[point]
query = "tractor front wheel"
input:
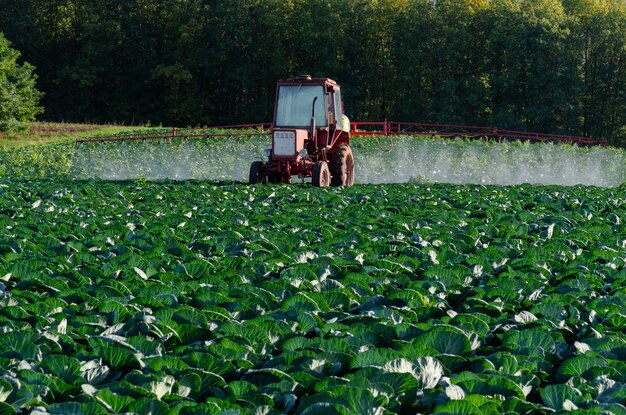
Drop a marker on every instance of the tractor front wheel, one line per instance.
(321, 174)
(342, 166)
(255, 172)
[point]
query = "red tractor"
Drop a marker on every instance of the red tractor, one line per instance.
(310, 135)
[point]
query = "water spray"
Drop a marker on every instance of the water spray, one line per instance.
(410, 159)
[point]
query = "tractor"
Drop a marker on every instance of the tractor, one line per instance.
(310, 135)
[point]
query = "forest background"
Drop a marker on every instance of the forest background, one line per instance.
(555, 66)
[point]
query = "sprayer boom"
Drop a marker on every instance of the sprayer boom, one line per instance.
(357, 128)
(243, 130)
(390, 128)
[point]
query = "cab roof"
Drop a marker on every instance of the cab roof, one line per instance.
(308, 79)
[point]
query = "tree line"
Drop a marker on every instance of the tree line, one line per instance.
(555, 66)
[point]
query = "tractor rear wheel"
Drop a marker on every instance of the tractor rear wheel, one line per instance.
(342, 166)
(255, 172)
(321, 174)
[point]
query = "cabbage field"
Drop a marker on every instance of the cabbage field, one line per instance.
(419, 294)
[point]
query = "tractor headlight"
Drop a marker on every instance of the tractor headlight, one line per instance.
(303, 153)
(267, 152)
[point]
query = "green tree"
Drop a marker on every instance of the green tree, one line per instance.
(19, 97)
(246, 53)
(415, 38)
(439, 53)
(532, 74)
(369, 46)
(598, 30)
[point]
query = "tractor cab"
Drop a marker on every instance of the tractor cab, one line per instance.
(310, 135)
(297, 103)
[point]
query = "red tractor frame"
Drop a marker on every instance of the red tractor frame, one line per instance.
(310, 135)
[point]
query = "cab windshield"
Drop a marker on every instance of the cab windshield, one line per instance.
(295, 105)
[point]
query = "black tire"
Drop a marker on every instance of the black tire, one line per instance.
(255, 172)
(321, 174)
(342, 166)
